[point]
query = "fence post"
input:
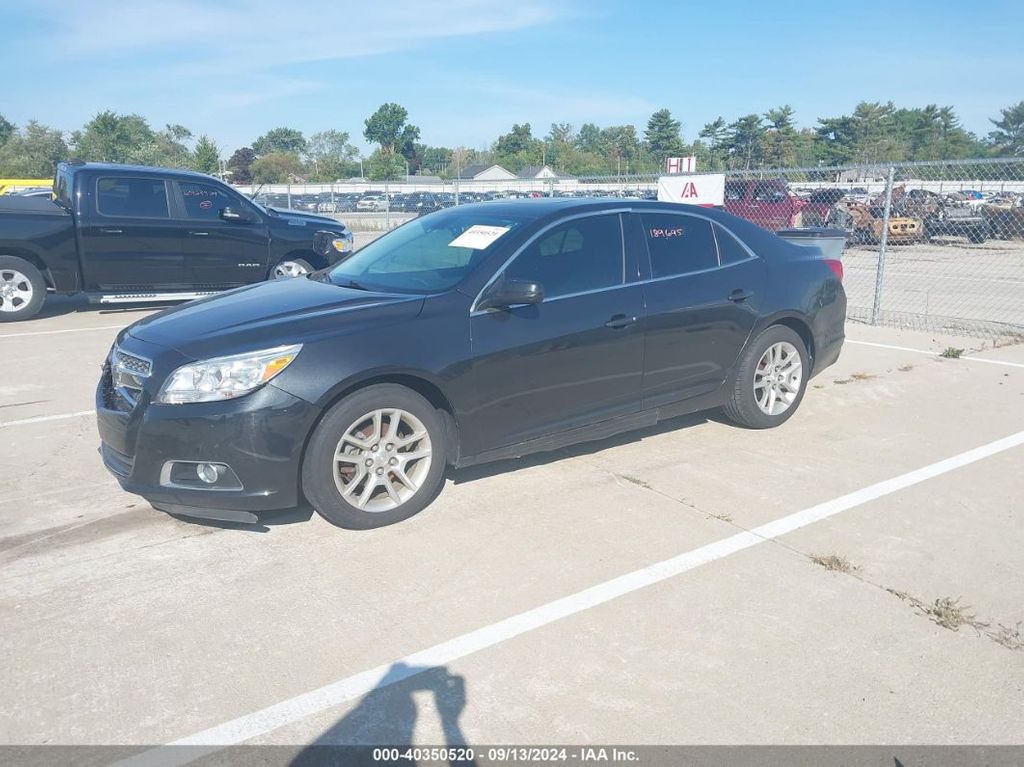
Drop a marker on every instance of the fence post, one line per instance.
(289, 189)
(876, 308)
(456, 190)
(387, 208)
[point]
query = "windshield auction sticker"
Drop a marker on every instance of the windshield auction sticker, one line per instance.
(478, 237)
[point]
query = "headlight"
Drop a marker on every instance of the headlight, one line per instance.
(343, 243)
(225, 377)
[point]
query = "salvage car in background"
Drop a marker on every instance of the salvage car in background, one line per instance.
(124, 234)
(768, 204)
(472, 334)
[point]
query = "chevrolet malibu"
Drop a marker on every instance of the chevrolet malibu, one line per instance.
(476, 333)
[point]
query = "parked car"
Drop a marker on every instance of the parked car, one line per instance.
(472, 334)
(768, 203)
(943, 215)
(372, 203)
(122, 234)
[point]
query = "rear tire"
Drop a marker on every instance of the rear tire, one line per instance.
(770, 380)
(22, 289)
(377, 457)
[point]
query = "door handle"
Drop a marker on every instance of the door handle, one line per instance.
(198, 234)
(740, 294)
(619, 321)
(107, 230)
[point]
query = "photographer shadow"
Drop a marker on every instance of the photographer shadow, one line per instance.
(386, 716)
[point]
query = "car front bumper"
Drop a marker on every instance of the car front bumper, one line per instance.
(149, 448)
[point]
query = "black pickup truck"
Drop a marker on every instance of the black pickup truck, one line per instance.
(123, 234)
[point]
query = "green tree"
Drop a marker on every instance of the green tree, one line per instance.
(165, 149)
(240, 165)
(435, 160)
(744, 141)
(6, 130)
(276, 167)
(559, 146)
(32, 152)
(1008, 138)
(621, 145)
(330, 154)
(589, 138)
(663, 136)
(206, 156)
(280, 140)
(385, 166)
(111, 137)
(389, 128)
(778, 144)
(518, 148)
(716, 134)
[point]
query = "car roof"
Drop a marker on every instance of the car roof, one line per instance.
(540, 207)
(114, 167)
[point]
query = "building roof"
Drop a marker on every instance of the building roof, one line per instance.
(538, 171)
(472, 171)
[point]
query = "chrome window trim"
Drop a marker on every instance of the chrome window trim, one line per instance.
(589, 214)
(474, 312)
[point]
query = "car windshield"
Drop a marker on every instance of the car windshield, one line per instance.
(428, 255)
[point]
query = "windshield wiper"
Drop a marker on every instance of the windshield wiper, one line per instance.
(351, 284)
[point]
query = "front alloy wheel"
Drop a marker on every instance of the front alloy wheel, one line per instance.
(377, 457)
(777, 378)
(291, 268)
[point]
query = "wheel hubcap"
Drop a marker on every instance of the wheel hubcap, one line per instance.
(382, 460)
(290, 269)
(777, 378)
(15, 290)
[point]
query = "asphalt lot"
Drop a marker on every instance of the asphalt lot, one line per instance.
(122, 625)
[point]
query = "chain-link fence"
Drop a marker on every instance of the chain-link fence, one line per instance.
(935, 245)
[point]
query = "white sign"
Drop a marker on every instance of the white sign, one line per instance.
(478, 237)
(681, 164)
(707, 190)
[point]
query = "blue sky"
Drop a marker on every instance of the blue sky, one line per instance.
(467, 69)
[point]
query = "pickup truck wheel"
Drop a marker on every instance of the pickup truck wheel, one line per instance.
(291, 267)
(376, 458)
(22, 289)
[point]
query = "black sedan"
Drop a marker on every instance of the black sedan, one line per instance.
(472, 334)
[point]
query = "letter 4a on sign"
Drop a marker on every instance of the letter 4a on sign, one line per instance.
(681, 164)
(707, 190)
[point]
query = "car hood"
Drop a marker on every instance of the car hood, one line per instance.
(271, 314)
(285, 215)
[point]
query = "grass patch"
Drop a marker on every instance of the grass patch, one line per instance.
(906, 368)
(951, 353)
(862, 376)
(841, 381)
(834, 562)
(1009, 638)
(950, 614)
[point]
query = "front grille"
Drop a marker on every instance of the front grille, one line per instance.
(129, 363)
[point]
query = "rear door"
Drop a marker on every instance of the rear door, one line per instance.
(219, 253)
(702, 295)
(128, 239)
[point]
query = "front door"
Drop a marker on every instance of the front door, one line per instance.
(219, 253)
(702, 299)
(573, 359)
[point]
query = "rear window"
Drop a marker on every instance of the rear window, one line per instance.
(679, 244)
(132, 197)
(729, 249)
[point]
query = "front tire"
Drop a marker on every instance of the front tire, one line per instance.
(377, 457)
(290, 267)
(22, 289)
(770, 380)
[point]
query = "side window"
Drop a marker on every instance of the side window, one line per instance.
(767, 191)
(204, 201)
(735, 190)
(729, 249)
(579, 255)
(132, 197)
(679, 244)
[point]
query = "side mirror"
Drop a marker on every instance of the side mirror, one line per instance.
(506, 293)
(234, 215)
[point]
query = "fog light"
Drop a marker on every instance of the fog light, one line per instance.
(208, 472)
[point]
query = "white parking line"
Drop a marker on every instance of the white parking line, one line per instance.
(294, 709)
(54, 332)
(44, 418)
(971, 357)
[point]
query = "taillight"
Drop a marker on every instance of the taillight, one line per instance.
(836, 266)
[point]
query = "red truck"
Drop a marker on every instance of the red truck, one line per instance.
(768, 203)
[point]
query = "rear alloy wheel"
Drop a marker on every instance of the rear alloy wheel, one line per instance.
(22, 289)
(376, 458)
(770, 379)
(291, 267)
